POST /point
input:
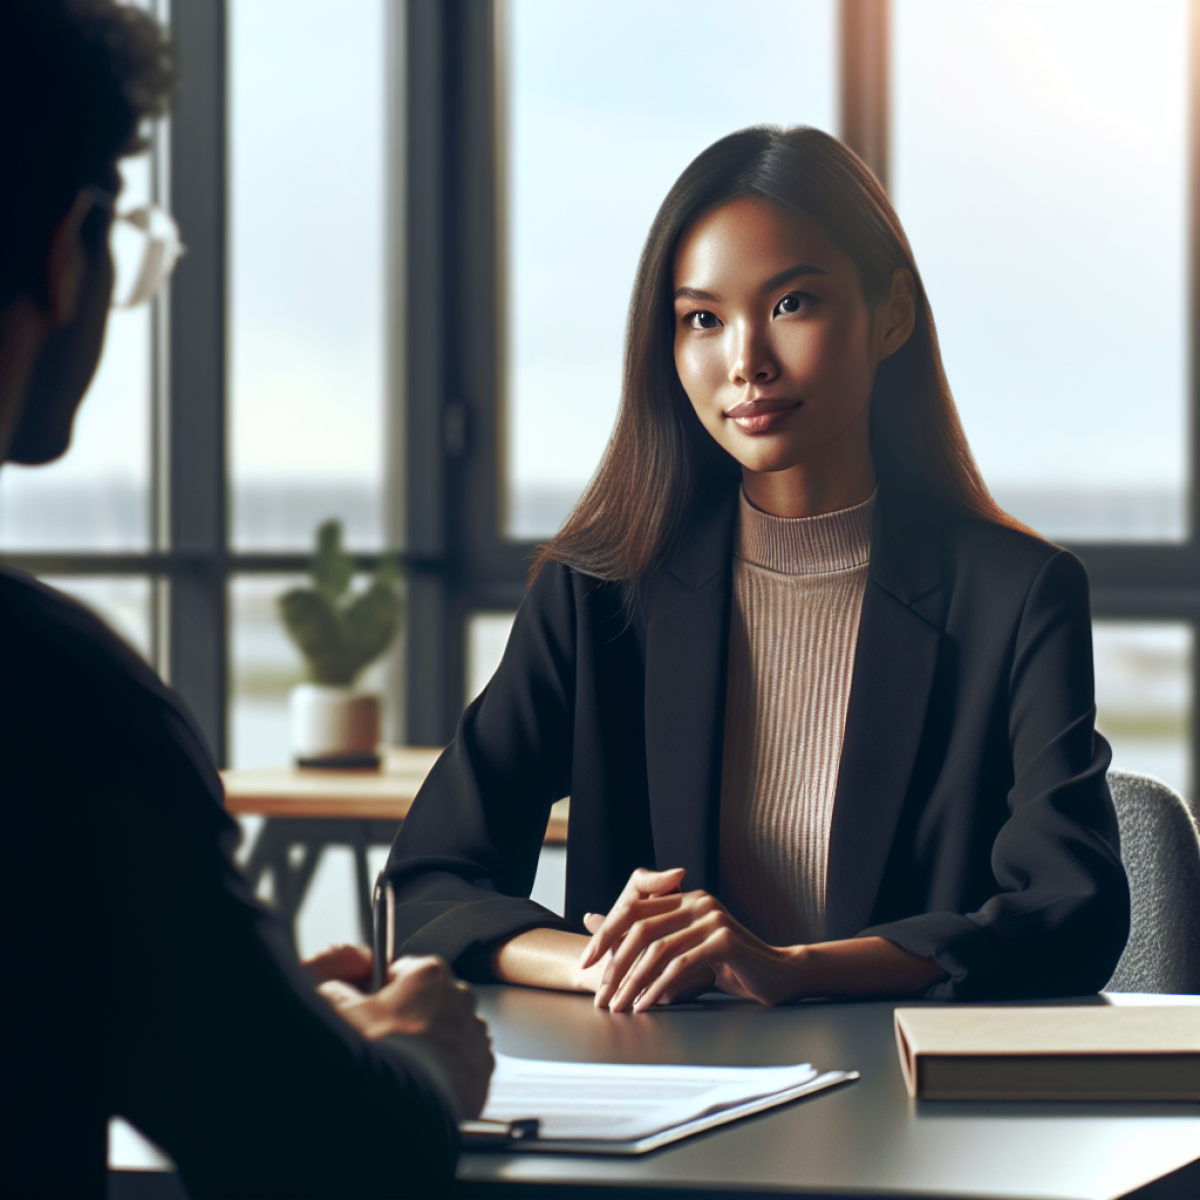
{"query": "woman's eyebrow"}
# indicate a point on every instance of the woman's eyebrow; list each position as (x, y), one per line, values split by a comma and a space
(691, 293)
(791, 273)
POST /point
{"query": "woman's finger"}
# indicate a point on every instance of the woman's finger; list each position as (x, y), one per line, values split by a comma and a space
(687, 985)
(645, 882)
(643, 934)
(642, 884)
(655, 961)
(624, 913)
(593, 922)
(679, 974)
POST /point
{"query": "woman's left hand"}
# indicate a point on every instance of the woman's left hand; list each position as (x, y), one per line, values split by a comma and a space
(668, 944)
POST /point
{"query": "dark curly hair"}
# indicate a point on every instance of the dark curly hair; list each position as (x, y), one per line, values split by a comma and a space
(78, 79)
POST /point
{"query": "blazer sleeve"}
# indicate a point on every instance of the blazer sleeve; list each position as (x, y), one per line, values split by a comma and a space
(1059, 919)
(464, 862)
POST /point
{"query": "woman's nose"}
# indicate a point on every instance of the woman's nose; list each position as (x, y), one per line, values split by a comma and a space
(753, 360)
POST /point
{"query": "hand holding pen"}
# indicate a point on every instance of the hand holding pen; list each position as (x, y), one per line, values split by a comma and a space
(419, 997)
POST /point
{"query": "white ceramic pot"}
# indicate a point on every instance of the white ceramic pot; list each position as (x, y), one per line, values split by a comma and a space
(333, 725)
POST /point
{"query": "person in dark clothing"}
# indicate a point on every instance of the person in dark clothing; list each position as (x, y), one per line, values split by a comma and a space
(144, 979)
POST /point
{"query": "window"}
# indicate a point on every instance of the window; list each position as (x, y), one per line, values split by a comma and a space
(606, 105)
(396, 189)
(308, 241)
(1048, 210)
(307, 296)
(1144, 697)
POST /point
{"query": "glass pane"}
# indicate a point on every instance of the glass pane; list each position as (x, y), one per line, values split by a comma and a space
(487, 635)
(1040, 170)
(608, 103)
(266, 666)
(1144, 700)
(98, 496)
(307, 341)
(124, 602)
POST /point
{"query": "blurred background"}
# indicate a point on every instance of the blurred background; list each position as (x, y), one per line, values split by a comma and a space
(412, 230)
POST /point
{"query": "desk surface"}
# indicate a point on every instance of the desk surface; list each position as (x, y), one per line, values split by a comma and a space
(385, 794)
(863, 1139)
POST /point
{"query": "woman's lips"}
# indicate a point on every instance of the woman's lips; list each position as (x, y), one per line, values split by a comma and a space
(761, 416)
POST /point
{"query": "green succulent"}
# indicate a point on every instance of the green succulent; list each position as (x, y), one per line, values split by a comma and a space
(339, 633)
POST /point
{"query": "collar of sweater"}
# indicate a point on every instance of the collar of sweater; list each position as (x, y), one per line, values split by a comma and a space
(836, 541)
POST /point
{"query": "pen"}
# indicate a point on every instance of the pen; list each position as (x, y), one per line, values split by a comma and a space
(384, 939)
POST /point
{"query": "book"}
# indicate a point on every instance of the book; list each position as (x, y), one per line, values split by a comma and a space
(620, 1108)
(1097, 1052)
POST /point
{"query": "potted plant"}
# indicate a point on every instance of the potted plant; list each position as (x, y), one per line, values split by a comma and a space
(340, 634)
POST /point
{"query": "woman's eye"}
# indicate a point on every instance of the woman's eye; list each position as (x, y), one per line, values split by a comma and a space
(794, 302)
(702, 320)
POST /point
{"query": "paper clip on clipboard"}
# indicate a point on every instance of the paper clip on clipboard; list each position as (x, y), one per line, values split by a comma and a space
(495, 1135)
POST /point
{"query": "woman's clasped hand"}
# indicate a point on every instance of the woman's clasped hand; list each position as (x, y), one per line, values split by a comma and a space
(666, 945)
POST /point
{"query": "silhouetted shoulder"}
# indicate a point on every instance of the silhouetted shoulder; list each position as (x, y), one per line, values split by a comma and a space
(80, 704)
(51, 639)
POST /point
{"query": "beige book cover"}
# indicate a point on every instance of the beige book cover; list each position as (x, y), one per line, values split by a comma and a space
(1097, 1052)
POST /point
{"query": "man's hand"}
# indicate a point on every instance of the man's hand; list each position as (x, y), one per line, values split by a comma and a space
(350, 964)
(422, 999)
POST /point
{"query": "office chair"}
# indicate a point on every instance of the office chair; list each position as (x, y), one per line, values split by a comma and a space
(1160, 848)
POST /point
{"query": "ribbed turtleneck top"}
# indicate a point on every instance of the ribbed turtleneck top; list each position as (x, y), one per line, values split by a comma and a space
(798, 591)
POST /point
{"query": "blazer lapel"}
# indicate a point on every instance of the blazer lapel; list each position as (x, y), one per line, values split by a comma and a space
(894, 666)
(687, 639)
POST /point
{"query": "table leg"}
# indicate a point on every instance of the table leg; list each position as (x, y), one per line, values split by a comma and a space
(272, 852)
(296, 882)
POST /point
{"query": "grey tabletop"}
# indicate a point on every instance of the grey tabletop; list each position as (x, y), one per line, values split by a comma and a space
(861, 1139)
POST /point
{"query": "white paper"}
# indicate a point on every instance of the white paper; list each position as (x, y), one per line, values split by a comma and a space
(622, 1102)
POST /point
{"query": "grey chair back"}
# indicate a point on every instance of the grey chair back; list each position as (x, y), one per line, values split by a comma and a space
(1160, 848)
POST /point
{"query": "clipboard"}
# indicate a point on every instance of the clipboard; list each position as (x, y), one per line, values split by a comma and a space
(523, 1136)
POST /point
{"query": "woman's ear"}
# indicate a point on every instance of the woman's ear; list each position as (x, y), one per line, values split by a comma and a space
(67, 262)
(897, 316)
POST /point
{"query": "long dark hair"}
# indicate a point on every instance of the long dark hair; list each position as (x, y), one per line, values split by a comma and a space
(660, 458)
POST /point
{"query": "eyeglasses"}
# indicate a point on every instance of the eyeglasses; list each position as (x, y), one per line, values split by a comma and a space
(145, 248)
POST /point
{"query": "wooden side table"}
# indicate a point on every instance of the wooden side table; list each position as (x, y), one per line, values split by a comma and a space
(306, 810)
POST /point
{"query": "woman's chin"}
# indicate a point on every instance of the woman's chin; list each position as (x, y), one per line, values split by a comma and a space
(764, 459)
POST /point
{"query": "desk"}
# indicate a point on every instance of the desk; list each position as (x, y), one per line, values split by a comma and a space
(865, 1139)
(308, 810)
(862, 1139)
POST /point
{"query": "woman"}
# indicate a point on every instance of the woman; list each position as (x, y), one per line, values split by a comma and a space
(847, 705)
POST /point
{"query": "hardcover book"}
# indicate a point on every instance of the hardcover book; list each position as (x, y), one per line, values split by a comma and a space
(1098, 1052)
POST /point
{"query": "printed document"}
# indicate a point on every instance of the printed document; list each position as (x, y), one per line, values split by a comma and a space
(619, 1102)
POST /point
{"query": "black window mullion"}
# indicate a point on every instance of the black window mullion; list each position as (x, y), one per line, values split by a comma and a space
(429, 696)
(194, 411)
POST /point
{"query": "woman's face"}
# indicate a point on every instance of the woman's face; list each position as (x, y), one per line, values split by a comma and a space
(777, 349)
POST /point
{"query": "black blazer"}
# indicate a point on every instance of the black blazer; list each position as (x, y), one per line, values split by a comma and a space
(972, 821)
